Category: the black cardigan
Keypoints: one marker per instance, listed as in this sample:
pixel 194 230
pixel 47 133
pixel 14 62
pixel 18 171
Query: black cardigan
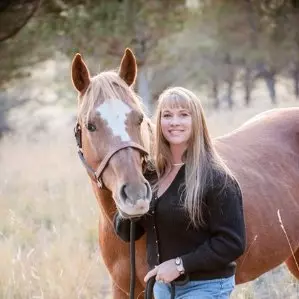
pixel 207 252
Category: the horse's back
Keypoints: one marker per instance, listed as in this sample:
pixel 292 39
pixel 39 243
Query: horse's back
pixel 263 154
pixel 262 140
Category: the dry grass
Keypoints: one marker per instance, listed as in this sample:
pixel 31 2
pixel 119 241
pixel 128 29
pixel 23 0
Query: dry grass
pixel 48 223
pixel 48 219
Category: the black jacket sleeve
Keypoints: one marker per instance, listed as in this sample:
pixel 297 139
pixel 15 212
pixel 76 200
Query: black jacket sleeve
pixel 226 224
pixel 122 228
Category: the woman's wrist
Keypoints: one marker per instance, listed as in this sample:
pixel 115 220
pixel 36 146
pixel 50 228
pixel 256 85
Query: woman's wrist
pixel 179 265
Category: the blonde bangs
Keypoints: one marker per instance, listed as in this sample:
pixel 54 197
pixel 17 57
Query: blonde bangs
pixel 171 100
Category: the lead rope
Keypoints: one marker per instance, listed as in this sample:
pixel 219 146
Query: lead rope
pixel 172 292
pixel 150 286
pixel 132 260
pixel 150 283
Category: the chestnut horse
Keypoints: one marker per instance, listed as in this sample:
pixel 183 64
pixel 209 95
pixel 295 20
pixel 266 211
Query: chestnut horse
pixel 263 154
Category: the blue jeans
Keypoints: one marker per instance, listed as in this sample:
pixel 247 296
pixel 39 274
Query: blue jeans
pixel 197 289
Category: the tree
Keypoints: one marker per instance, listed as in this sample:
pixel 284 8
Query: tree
pixel 14 15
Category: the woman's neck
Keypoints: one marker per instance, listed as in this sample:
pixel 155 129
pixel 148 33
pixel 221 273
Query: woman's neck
pixel 177 152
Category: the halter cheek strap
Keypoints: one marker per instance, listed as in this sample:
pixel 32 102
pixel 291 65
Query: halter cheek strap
pixel 97 175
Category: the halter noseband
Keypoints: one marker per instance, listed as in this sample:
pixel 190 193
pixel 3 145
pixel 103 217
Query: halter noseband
pixel 97 175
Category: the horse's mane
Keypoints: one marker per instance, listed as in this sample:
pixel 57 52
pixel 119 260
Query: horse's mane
pixel 108 86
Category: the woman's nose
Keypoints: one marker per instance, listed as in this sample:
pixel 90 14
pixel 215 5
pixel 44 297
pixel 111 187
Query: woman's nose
pixel 174 120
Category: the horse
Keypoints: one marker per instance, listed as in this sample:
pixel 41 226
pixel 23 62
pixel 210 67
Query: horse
pixel 263 154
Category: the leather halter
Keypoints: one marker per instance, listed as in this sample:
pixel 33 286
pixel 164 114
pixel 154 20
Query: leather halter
pixel 97 175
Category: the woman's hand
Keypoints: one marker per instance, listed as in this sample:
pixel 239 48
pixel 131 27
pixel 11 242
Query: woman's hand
pixel 165 272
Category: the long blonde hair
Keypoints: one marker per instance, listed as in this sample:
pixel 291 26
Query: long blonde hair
pixel 201 159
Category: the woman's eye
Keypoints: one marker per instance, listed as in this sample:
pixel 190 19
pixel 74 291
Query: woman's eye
pixel 166 115
pixel 91 127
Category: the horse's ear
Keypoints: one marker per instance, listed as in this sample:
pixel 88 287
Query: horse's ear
pixel 80 74
pixel 128 67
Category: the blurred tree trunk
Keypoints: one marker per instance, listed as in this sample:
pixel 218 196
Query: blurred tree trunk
pixel 215 93
pixel 248 80
pixel 296 41
pixel 140 43
pixel 230 88
pixel 141 51
pixel 247 85
pixel 269 76
pixel 130 11
pixel 295 75
pixel 270 82
pixel 229 94
pixel 229 80
pixel 143 89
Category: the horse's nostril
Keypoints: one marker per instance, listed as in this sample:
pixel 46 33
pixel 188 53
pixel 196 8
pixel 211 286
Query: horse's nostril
pixel 123 193
pixel 130 193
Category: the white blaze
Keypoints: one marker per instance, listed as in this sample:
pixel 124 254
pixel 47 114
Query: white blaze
pixel 114 112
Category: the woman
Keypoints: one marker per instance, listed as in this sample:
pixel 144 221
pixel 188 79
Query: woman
pixel 195 226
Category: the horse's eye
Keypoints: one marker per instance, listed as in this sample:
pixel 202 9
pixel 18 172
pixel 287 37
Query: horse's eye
pixel 91 127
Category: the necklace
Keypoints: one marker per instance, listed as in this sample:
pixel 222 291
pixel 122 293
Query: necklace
pixel 178 164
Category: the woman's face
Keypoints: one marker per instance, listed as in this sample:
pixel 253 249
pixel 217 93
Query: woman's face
pixel 176 125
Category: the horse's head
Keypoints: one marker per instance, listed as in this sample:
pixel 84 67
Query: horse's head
pixel 113 133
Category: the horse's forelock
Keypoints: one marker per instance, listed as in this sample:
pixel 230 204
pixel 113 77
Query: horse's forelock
pixel 108 86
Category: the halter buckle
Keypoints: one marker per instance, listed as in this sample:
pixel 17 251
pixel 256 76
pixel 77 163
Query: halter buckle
pixel 100 183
